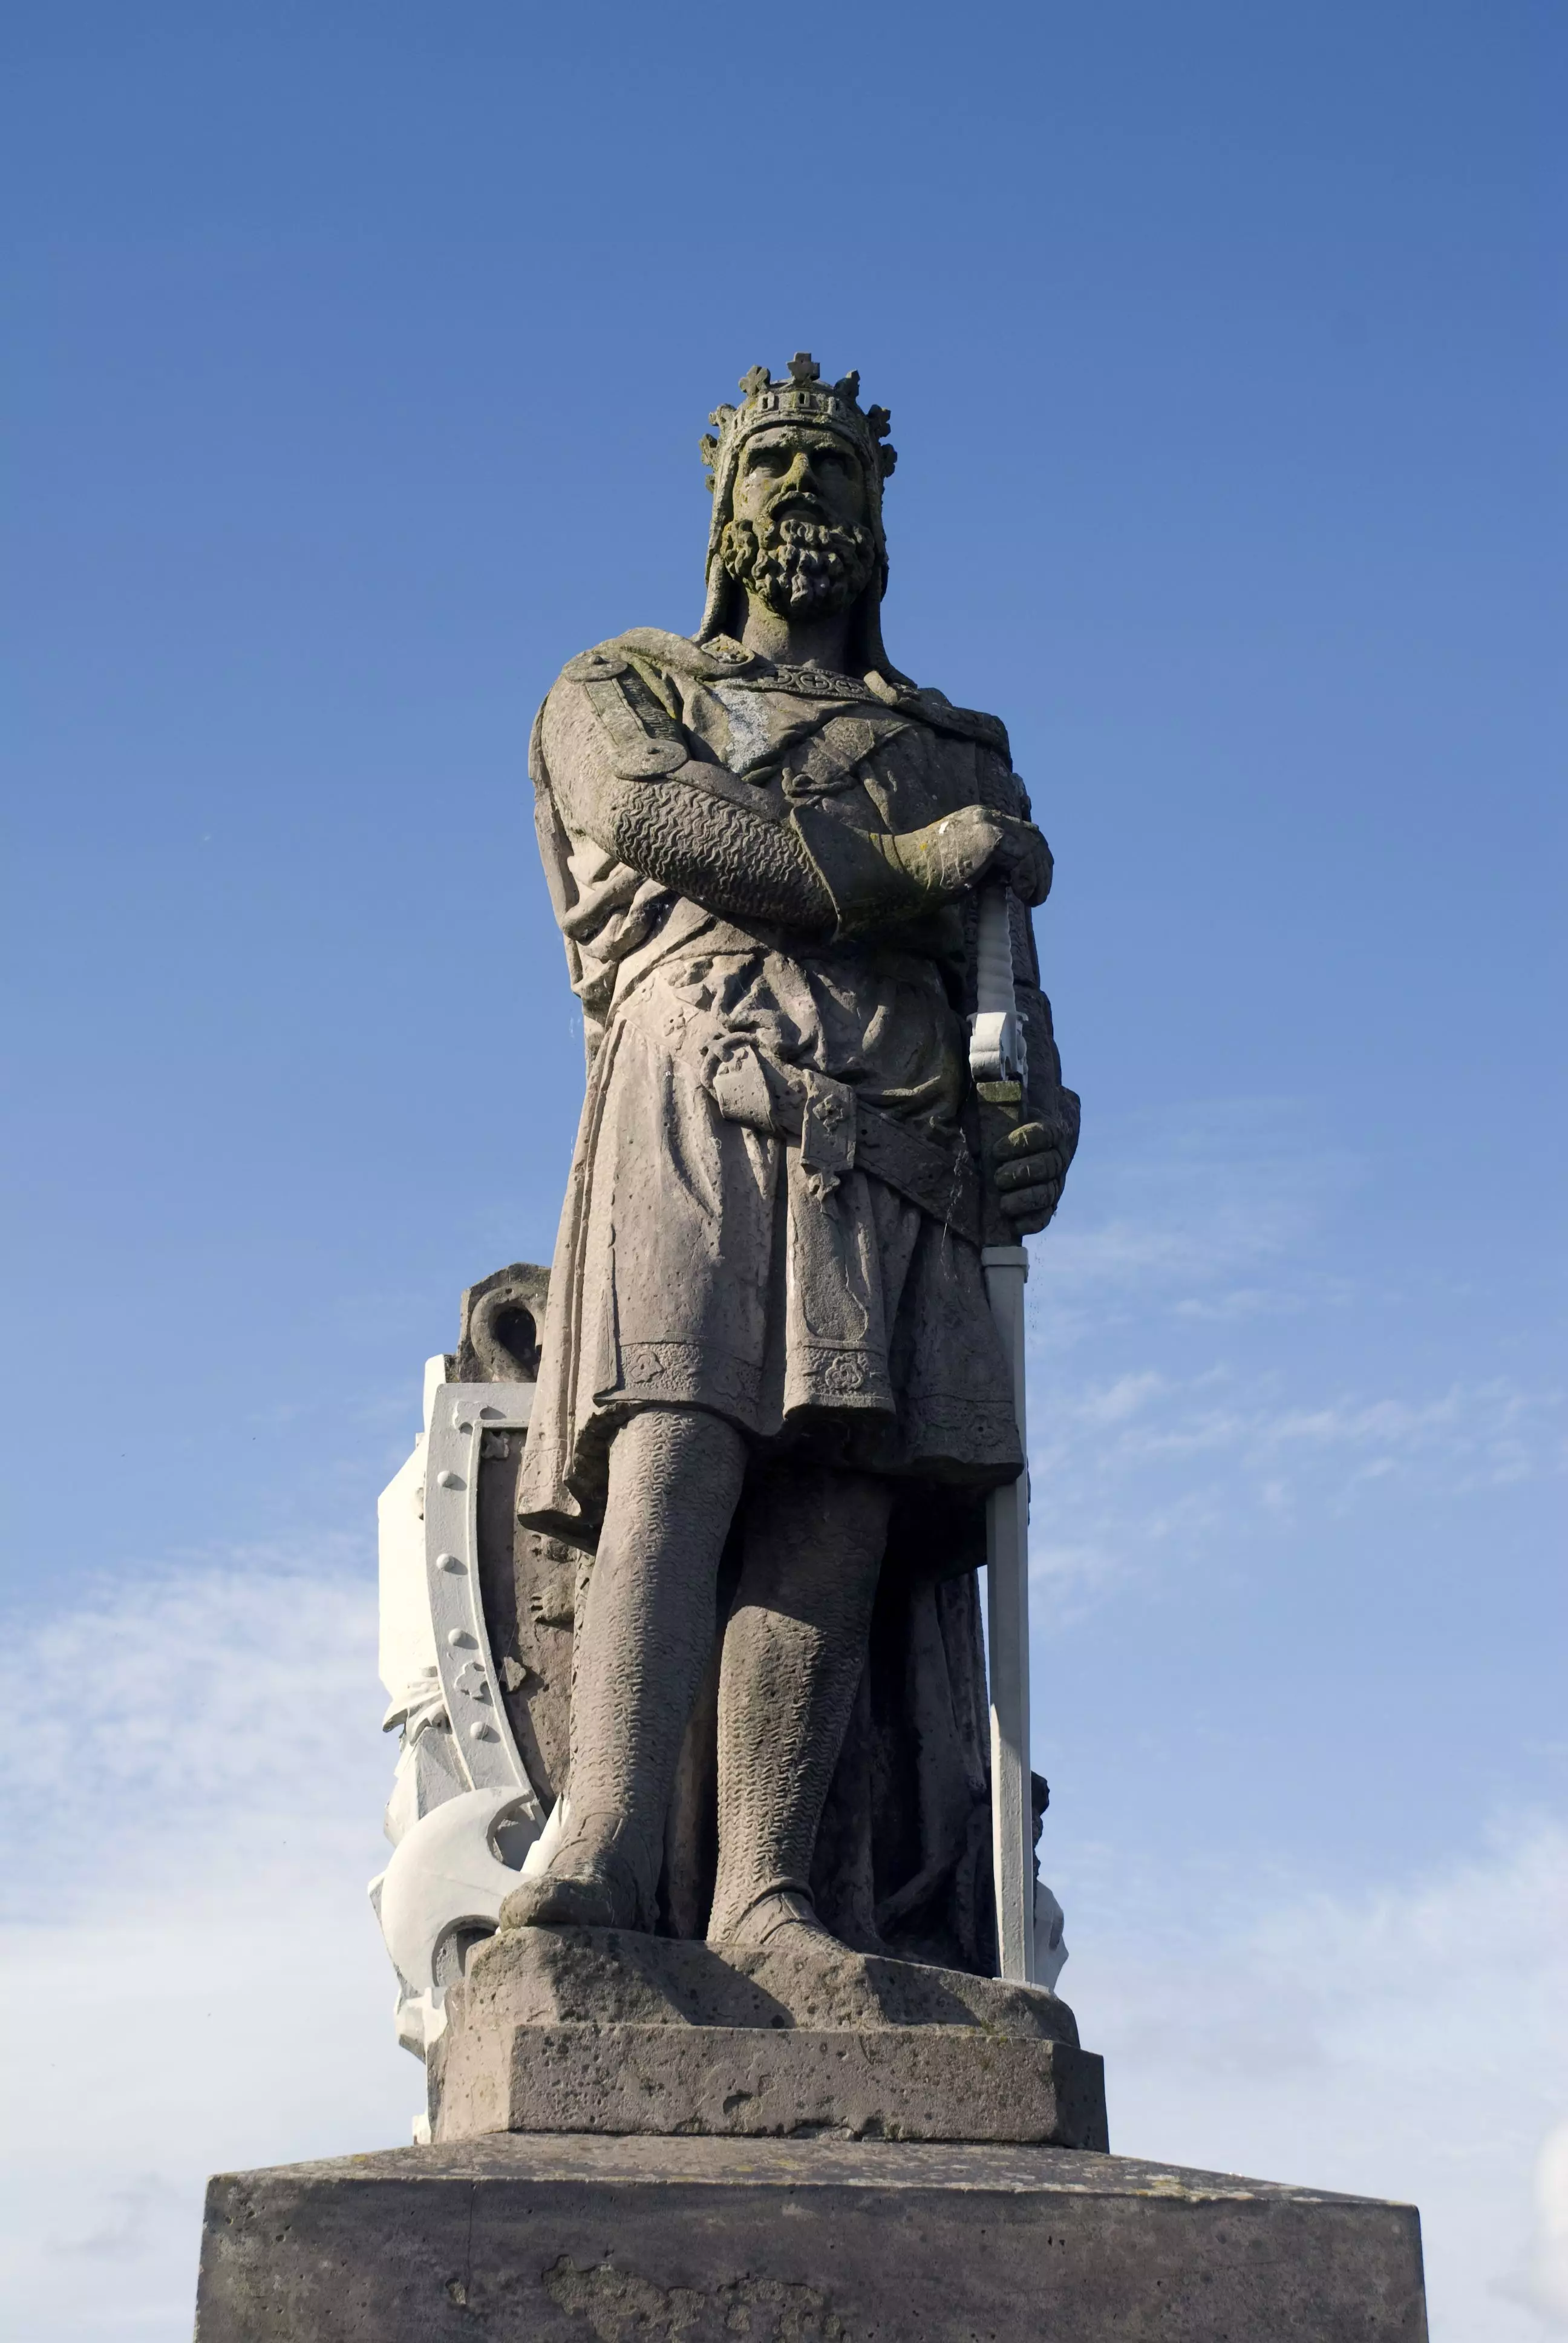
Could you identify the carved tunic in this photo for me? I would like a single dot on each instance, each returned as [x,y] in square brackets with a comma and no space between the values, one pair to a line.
[771,1211]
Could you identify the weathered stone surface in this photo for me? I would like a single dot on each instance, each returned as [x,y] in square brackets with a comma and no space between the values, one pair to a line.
[600,1976]
[593,2241]
[913,2082]
[605,2030]
[776,1382]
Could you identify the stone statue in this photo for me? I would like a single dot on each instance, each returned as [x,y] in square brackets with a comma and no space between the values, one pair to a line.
[771,1397]
[692,1819]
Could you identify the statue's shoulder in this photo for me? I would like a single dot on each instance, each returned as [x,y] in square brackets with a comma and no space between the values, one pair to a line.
[619,690]
[652,649]
[931,707]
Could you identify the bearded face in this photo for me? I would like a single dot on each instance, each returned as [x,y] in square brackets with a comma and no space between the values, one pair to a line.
[799,539]
[799,567]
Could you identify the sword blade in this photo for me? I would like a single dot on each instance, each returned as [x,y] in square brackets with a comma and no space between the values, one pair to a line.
[1006,1640]
[997,1064]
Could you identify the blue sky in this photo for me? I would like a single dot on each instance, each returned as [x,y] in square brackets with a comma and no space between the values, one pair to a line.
[357,358]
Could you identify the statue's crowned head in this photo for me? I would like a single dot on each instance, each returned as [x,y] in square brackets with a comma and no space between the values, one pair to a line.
[797,473]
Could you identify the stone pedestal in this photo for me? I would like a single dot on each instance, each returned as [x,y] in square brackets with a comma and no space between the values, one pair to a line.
[607,2030]
[562,2239]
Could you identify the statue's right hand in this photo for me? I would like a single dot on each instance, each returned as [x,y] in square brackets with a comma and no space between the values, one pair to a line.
[975,843]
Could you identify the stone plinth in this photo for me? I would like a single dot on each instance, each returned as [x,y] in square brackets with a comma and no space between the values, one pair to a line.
[589,2030]
[601,2240]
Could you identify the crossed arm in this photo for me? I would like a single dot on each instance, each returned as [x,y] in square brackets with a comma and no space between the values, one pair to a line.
[694,831]
[707,836]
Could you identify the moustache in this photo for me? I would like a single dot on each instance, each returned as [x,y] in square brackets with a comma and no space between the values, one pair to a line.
[798,501]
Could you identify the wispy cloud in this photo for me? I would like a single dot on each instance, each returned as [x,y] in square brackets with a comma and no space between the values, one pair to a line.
[1147,1469]
[1173,1414]
[197,1984]
[1487,1433]
[192,1973]
[1212,1212]
[196,1703]
[1411,2043]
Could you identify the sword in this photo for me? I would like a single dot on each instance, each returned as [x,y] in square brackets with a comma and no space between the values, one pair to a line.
[999,1065]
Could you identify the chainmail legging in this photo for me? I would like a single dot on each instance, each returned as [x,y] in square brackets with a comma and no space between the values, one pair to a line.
[793,1651]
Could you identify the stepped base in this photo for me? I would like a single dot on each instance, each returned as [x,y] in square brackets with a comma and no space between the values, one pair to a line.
[604,2030]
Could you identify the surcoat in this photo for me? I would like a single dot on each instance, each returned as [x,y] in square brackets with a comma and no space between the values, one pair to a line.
[771,1211]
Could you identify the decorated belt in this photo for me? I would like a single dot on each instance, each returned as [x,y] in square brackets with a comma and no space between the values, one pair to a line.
[836,1131]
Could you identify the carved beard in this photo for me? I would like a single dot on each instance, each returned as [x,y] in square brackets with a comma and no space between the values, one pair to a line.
[801,568]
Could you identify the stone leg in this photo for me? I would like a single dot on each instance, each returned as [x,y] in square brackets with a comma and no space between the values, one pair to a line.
[675,1479]
[793,1653]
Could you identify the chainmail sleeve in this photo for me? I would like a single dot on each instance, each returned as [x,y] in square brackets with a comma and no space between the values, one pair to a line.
[720,856]
[686,837]
[632,787]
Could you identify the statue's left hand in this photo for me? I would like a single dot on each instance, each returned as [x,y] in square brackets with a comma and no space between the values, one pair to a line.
[1030,1167]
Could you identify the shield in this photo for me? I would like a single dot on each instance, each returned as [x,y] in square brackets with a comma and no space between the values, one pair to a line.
[474,1650]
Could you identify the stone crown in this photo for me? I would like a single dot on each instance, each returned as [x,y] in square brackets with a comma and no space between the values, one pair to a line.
[800,398]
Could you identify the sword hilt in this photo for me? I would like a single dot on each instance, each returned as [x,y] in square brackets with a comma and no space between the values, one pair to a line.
[996,1050]
[999,1062]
